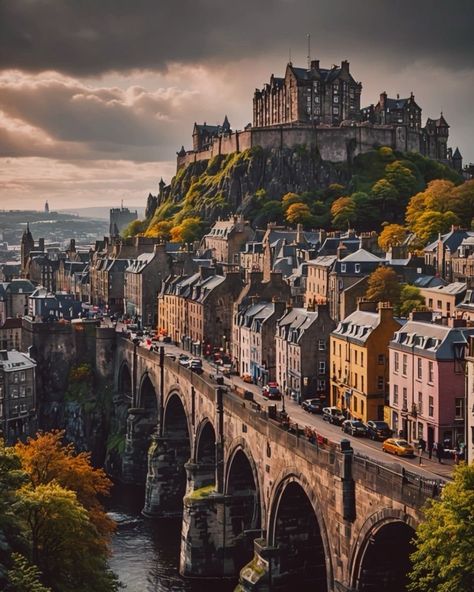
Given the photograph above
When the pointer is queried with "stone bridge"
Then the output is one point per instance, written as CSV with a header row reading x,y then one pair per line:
x,y
257,499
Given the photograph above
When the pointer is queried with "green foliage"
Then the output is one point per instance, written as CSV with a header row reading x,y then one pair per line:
x,y
343,212
24,576
189,230
383,286
410,299
299,213
444,542
135,228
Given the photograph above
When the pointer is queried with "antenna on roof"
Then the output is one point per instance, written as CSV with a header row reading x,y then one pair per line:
x,y
289,55
309,51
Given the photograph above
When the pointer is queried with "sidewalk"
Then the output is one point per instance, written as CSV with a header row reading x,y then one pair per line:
x,y
444,469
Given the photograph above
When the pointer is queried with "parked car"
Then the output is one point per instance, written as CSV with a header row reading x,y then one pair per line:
x,y
354,427
398,447
378,430
333,415
184,360
312,405
271,391
247,378
196,365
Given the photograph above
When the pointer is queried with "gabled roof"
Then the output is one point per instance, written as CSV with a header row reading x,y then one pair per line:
x,y
362,256
358,326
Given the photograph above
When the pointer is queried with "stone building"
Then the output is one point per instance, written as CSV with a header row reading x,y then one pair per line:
x,y
226,238
449,255
308,95
255,327
142,283
120,218
427,379
359,360
443,300
204,134
107,278
302,357
14,298
10,334
317,284
17,396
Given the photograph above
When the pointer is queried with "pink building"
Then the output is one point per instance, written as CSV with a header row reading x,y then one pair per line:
x,y
427,381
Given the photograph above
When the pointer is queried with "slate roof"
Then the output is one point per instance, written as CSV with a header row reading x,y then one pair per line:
x,y
12,361
362,256
451,240
428,281
455,288
293,324
431,339
358,326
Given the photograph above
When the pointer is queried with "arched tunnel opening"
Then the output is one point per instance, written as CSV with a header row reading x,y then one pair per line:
x,y
244,518
386,559
302,561
206,456
177,448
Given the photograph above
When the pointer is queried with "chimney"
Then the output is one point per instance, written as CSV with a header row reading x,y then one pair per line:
x,y
383,99
365,305
206,272
41,244
314,64
453,322
385,310
72,245
299,234
341,251
424,316
345,66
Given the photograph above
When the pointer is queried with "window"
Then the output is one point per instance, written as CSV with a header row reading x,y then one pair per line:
x,y
336,99
380,382
419,372
355,356
404,367
362,407
321,385
343,268
396,362
439,304
362,382
430,372
381,359
322,367
321,345
334,347
335,110
355,380
459,408
357,267
420,403
430,407
405,398
395,395
23,376
354,404
361,358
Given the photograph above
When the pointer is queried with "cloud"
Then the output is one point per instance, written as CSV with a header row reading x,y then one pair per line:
x,y
89,37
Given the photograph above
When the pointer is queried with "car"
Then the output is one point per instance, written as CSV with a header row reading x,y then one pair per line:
x,y
271,391
312,405
378,430
398,447
247,378
354,427
184,360
170,356
195,365
333,415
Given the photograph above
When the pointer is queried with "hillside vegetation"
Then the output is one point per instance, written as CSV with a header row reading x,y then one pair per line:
x,y
296,186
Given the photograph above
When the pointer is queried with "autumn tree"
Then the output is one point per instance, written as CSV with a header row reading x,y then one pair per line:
x,y
160,229
298,213
188,231
135,228
343,212
383,286
400,176
46,459
24,576
431,223
392,235
443,560
290,199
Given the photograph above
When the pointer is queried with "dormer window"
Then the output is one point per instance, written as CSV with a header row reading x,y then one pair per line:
x,y
357,267
343,268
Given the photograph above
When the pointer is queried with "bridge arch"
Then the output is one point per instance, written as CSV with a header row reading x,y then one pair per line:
x,y
244,515
205,442
296,526
147,395
381,556
124,381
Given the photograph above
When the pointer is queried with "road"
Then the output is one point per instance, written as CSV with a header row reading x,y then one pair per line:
x,y
429,468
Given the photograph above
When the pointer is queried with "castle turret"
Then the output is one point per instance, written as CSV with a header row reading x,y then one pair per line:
x,y
457,161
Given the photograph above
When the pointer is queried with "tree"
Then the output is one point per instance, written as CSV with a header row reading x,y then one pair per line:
x,y
343,212
386,196
134,228
64,544
402,178
289,199
298,213
444,542
383,286
46,459
430,223
24,577
392,235
160,229
188,231
410,298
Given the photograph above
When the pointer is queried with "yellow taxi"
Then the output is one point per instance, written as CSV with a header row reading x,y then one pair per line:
x,y
247,378
398,447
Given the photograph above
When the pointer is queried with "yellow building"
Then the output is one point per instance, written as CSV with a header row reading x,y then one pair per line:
x,y
359,360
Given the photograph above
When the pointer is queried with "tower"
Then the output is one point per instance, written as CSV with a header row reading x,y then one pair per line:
x,y
46,207
27,245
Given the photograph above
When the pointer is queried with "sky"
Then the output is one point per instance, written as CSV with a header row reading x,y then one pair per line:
x,y
96,97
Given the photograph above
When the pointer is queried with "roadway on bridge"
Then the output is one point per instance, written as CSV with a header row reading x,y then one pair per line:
x,y
429,468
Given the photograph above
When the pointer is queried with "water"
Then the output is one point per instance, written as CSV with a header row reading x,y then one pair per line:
x,y
146,552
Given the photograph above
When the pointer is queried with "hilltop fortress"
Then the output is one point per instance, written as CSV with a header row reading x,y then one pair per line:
x,y
320,108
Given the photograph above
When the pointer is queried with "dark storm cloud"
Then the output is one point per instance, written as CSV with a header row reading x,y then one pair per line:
x,y
90,37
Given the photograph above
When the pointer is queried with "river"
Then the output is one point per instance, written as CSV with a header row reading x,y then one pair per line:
x,y
145,553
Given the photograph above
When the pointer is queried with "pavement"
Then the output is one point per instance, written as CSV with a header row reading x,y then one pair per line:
x,y
429,468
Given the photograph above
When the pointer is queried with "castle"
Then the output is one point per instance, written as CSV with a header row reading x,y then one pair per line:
x,y
320,108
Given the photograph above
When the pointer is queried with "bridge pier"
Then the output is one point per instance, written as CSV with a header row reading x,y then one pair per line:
x,y
134,460
166,478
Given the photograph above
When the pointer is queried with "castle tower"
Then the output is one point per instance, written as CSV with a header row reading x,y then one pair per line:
x,y
457,161
27,245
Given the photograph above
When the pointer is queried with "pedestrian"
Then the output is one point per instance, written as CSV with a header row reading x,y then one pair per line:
x,y
422,445
456,454
439,452
432,449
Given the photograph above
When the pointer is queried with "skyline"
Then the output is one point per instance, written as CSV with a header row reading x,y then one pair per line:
x,y
101,120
